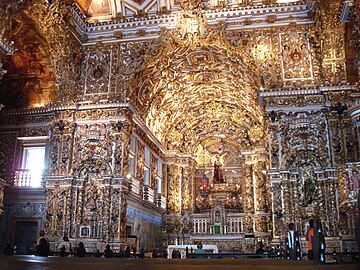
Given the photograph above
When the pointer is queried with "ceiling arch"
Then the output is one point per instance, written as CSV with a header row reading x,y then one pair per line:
x,y
198,91
30,79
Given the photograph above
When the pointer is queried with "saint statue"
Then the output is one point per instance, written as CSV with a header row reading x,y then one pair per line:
x,y
91,196
218,170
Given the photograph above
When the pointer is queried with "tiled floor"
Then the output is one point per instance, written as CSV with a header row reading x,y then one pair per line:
x,y
90,263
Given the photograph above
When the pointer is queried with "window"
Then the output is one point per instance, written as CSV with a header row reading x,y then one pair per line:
x,y
147,164
33,163
158,185
146,176
159,168
131,162
147,156
128,231
159,177
133,144
132,154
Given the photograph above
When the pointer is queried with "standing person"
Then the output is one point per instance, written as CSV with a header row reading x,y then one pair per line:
x,y
142,253
319,244
80,251
292,243
310,239
134,252
357,225
127,252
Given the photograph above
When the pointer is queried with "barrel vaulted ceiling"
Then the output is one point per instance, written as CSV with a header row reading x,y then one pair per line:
x,y
103,10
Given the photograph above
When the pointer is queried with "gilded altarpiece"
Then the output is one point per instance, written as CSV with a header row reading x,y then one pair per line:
x,y
88,198
306,183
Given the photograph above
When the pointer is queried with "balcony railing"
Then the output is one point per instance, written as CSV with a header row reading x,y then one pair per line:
x,y
161,201
135,185
148,193
22,178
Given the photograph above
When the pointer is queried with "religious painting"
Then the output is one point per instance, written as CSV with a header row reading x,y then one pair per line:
x,y
296,56
99,8
85,231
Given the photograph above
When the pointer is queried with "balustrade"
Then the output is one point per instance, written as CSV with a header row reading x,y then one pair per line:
x,y
23,178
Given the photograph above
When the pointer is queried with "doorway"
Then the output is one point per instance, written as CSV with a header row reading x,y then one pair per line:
x,y
25,235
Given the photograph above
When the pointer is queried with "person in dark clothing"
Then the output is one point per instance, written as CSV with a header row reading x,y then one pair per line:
x,y
80,251
260,248
357,225
31,250
62,251
292,243
42,248
318,244
134,252
8,250
154,253
108,252
127,252
142,253
98,254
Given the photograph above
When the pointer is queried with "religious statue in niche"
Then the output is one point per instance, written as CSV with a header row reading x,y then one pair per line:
x,y
309,186
217,217
91,196
218,168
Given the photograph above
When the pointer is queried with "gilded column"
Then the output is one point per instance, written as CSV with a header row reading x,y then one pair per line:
x,y
187,186
354,112
249,194
174,189
124,191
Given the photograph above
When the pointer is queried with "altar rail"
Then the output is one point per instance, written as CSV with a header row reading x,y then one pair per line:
x,y
228,256
331,258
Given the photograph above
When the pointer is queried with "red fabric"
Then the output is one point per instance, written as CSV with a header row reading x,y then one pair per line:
x,y
309,237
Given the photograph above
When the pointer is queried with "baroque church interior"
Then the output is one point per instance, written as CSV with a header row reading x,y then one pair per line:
x,y
157,122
